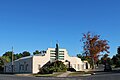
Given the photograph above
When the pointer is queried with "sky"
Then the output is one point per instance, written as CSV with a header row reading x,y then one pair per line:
x,y
30,25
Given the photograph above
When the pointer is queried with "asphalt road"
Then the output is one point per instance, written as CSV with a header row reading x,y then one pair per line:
x,y
97,76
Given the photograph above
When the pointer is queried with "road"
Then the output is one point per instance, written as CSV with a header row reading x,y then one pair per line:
x,y
102,76
97,76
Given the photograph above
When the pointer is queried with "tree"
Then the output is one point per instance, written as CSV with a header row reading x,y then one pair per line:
x,y
116,58
82,57
8,55
118,50
17,56
2,62
36,52
105,59
6,58
25,53
93,46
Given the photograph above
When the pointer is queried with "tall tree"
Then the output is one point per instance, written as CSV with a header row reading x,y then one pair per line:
x,y
93,46
105,59
82,57
17,56
118,50
25,53
6,58
2,62
36,52
8,55
116,58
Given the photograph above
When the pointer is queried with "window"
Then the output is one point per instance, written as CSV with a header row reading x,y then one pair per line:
x,y
78,66
61,51
21,67
26,67
61,58
52,51
52,56
74,65
13,67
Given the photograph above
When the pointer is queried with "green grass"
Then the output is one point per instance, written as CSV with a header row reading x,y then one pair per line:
x,y
80,73
48,75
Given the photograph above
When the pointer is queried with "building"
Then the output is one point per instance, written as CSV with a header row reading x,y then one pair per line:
x,y
32,64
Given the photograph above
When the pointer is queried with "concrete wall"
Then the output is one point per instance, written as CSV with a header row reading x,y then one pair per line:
x,y
40,61
23,65
75,62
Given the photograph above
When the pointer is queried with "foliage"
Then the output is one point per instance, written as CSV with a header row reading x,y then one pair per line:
x,y
6,58
36,52
17,56
25,53
116,58
57,66
105,59
39,52
118,63
8,55
2,62
81,57
118,50
93,46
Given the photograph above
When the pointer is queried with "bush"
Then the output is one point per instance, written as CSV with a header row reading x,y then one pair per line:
x,y
45,70
71,69
57,66
117,64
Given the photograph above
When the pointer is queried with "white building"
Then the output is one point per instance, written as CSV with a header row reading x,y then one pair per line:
x,y
32,64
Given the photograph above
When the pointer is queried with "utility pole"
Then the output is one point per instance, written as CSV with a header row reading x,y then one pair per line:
x,y
12,59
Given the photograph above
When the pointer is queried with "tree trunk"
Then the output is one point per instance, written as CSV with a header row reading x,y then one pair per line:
x,y
93,63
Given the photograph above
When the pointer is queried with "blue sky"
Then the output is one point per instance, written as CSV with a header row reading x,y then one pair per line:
x,y
30,25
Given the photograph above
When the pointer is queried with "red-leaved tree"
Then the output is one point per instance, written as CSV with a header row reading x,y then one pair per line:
x,y
93,46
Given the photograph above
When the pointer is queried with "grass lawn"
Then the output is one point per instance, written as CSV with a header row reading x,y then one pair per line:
x,y
79,73
48,75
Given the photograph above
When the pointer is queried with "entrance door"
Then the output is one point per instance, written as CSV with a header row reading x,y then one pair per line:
x,y
86,65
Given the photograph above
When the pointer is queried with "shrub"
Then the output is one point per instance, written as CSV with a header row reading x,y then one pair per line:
x,y
45,70
118,63
57,66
